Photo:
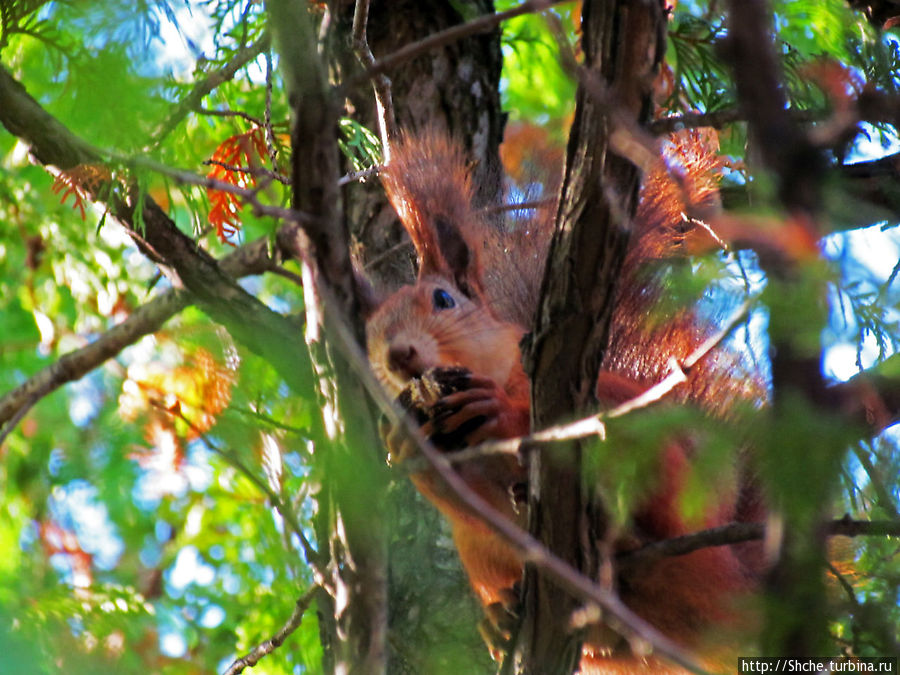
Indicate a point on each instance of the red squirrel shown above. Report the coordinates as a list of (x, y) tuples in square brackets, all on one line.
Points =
[(468, 310)]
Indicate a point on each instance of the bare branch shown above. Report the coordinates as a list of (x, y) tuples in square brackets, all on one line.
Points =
[(273, 643), (384, 102), (360, 176), (251, 170), (716, 119), (736, 533), (482, 24), (884, 499), (250, 259), (733, 533), (270, 132), (242, 57), (719, 119), (230, 113)]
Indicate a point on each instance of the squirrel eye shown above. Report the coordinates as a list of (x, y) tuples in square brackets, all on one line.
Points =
[(442, 299)]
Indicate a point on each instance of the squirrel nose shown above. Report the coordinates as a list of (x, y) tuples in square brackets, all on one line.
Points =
[(404, 359)]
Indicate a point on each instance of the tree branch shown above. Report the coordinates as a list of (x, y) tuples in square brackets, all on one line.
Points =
[(482, 24), (622, 45), (384, 102), (869, 401), (149, 318), (784, 148), (273, 643), (356, 526), (247, 195), (796, 627), (736, 533), (191, 102), (577, 585), (261, 330), (719, 119)]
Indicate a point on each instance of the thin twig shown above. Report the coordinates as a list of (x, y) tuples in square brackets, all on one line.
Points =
[(265, 648), (736, 533), (242, 57), (247, 195), (845, 585), (255, 121), (358, 176), (718, 119), (884, 498), (251, 170), (384, 255), (384, 101), (593, 425), (482, 24), (270, 133), (274, 498), (287, 274)]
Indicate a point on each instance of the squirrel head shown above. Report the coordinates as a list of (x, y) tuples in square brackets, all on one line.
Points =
[(443, 319), (434, 324)]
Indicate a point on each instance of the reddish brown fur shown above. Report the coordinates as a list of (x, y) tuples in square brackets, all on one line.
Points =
[(428, 183)]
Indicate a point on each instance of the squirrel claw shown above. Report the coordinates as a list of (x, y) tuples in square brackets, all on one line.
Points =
[(501, 619), (498, 644)]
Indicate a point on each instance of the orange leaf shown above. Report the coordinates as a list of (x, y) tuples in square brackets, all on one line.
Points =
[(80, 182), (242, 151)]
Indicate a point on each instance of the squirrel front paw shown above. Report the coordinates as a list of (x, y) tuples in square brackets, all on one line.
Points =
[(420, 399), (457, 408), (479, 412)]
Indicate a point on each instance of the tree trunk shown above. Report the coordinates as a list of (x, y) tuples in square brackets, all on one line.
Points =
[(623, 45)]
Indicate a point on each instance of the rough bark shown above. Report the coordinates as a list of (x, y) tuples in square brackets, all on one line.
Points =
[(456, 86), (623, 44)]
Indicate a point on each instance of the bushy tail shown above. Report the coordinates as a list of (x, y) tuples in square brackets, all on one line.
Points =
[(648, 328)]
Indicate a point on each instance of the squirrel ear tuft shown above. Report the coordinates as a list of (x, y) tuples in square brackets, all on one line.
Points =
[(460, 258), (369, 298), (428, 183)]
